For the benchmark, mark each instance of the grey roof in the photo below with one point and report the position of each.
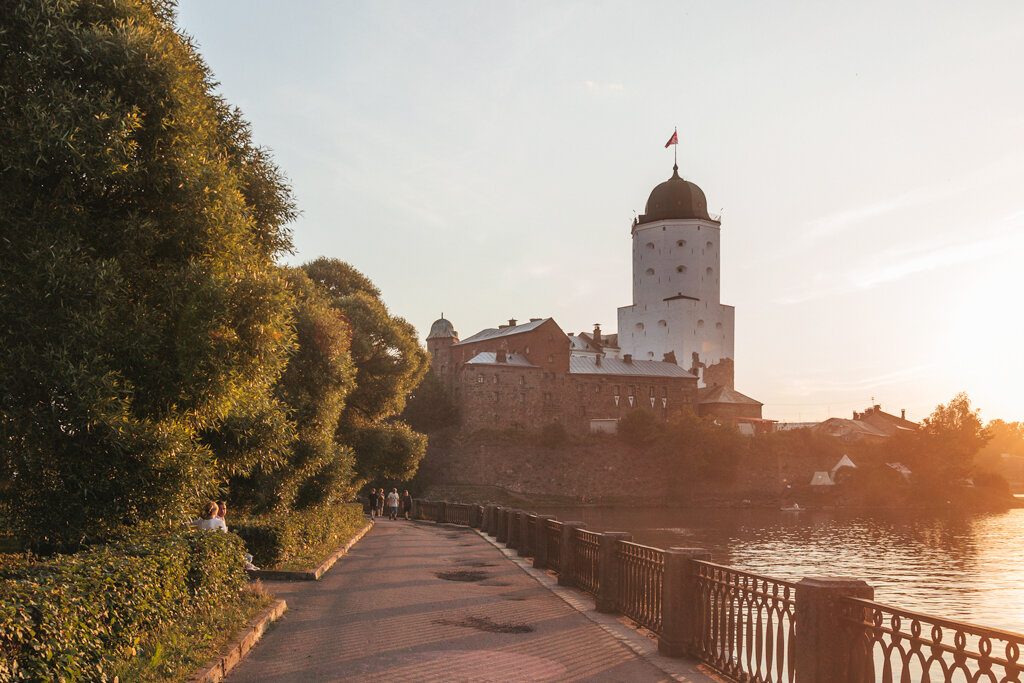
(442, 329)
(580, 343)
(491, 332)
(586, 365)
(516, 360)
(725, 395)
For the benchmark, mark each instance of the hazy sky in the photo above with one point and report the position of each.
(486, 159)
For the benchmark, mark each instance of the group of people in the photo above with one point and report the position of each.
(396, 504)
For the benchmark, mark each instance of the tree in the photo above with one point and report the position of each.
(952, 435)
(306, 466)
(430, 407)
(139, 306)
(389, 365)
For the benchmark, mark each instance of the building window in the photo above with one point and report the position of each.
(495, 379)
(551, 358)
(522, 380)
(650, 271)
(711, 245)
(718, 326)
(639, 326)
(650, 354)
(680, 243)
(709, 271)
(650, 245)
(700, 323)
(526, 351)
(680, 269)
(662, 323)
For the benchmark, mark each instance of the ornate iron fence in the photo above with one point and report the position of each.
(745, 623)
(553, 529)
(456, 513)
(586, 547)
(641, 576)
(908, 646)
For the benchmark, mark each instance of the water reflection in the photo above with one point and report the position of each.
(950, 565)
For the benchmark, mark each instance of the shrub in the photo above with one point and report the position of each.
(276, 538)
(73, 617)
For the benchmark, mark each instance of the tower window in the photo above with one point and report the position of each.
(650, 271)
(680, 269)
(680, 243)
(662, 323)
(700, 323)
(650, 245)
(718, 326)
(709, 271)
(711, 245)
(639, 326)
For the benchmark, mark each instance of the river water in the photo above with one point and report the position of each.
(955, 565)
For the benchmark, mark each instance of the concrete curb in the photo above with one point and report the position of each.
(314, 575)
(619, 628)
(218, 668)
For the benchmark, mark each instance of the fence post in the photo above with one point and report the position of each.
(607, 597)
(513, 530)
(565, 569)
(442, 510)
(501, 533)
(823, 647)
(540, 542)
(415, 511)
(485, 525)
(474, 516)
(525, 542)
(679, 611)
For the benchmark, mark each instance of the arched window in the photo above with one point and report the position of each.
(680, 243)
(650, 245)
(680, 269)
(650, 271)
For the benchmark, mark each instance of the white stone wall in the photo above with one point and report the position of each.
(674, 258)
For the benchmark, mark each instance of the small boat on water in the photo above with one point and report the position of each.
(795, 507)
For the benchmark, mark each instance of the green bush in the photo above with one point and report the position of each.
(275, 539)
(74, 617)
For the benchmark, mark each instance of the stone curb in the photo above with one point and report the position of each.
(219, 667)
(618, 627)
(275, 575)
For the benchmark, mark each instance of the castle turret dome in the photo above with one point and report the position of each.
(442, 329)
(675, 198)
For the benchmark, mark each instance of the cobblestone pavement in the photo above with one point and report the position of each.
(416, 601)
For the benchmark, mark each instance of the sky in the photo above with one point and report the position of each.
(485, 160)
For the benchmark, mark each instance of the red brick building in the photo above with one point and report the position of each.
(526, 376)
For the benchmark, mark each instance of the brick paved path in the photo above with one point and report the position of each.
(383, 613)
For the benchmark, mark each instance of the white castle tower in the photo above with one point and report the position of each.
(676, 312)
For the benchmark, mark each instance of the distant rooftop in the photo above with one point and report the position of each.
(494, 332)
(491, 358)
(617, 366)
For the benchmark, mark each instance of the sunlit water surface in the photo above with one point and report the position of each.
(960, 566)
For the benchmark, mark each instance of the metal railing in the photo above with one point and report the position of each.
(553, 529)
(586, 547)
(456, 513)
(530, 542)
(899, 645)
(641, 576)
(745, 623)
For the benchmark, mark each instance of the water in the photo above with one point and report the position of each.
(961, 566)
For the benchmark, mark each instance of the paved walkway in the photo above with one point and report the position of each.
(393, 610)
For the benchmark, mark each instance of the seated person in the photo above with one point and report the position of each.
(209, 521)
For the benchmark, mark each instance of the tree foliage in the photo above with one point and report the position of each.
(389, 365)
(430, 407)
(139, 304)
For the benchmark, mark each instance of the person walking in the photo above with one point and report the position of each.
(393, 504)
(372, 502)
(406, 504)
(379, 502)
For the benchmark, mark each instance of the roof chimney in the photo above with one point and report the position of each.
(903, 413)
(597, 332)
(627, 358)
(511, 322)
(598, 360)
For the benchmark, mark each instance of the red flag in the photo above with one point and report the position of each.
(674, 140)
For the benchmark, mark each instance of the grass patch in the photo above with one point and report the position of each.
(179, 650)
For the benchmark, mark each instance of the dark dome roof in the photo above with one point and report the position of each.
(442, 329)
(675, 198)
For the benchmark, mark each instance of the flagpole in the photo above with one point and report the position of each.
(675, 151)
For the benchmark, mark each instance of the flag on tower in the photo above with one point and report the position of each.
(674, 140)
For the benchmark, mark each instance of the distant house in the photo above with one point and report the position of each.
(873, 424)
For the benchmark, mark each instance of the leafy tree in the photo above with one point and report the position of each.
(952, 435)
(389, 365)
(306, 465)
(640, 427)
(430, 407)
(138, 302)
